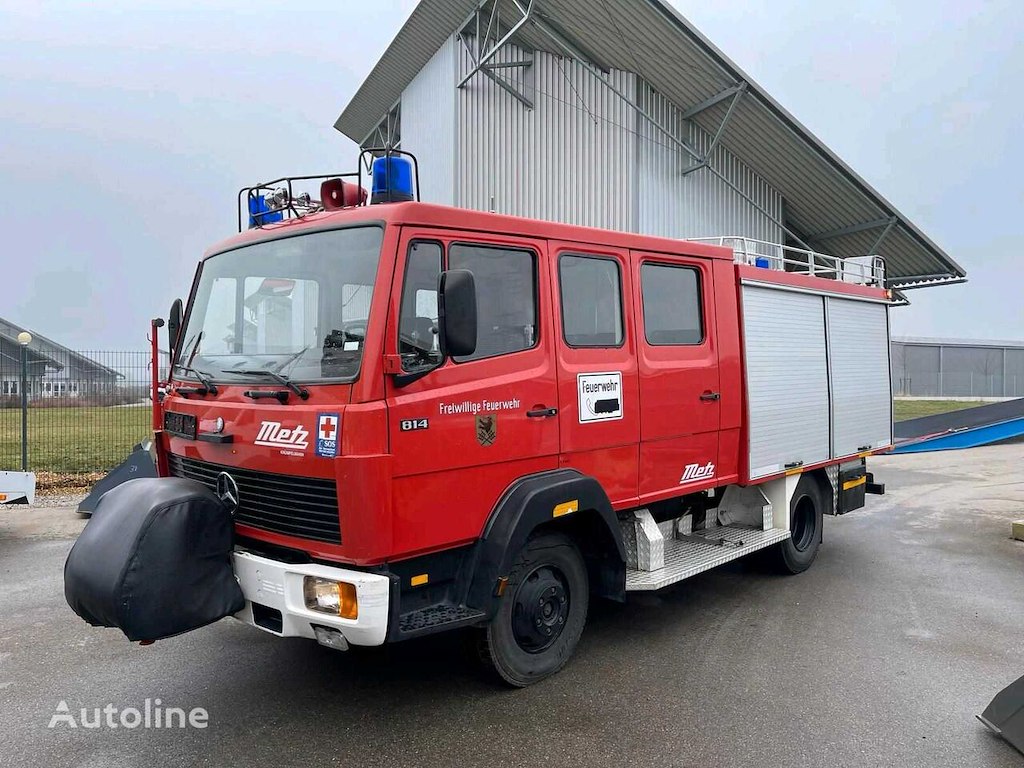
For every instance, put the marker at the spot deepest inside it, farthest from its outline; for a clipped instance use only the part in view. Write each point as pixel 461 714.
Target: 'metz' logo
pixel 697 472
pixel 273 435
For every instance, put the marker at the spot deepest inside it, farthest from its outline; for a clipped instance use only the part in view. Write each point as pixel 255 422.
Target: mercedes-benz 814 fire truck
pixel 425 418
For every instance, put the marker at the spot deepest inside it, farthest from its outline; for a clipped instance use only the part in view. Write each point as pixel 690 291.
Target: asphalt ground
pixel 881 655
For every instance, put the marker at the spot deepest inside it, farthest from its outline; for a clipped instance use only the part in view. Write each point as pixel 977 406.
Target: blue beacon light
pixel 392 180
pixel 260 213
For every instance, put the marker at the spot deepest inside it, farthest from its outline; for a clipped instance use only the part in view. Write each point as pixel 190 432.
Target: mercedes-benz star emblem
pixel 227 491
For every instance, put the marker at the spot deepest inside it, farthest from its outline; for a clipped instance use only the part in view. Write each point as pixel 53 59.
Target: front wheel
pixel 541 614
pixel 795 554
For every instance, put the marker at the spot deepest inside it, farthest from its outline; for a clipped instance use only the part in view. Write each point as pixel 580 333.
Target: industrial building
pixel 619 114
pixel 957 368
pixel 52 369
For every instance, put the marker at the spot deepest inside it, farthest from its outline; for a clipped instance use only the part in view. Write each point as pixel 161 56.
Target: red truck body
pixel 422 466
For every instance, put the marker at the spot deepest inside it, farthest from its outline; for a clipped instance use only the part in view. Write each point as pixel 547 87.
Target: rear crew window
pixel 672 305
pixel 591 294
pixel 506 297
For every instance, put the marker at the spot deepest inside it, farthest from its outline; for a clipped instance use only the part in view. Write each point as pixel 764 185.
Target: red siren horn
pixel 336 194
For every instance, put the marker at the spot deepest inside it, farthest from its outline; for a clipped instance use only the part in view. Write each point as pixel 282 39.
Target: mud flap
pixel 1005 715
pixel 154 560
pixel 138 464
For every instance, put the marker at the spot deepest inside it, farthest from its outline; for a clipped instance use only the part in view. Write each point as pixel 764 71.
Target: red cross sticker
pixel 328 427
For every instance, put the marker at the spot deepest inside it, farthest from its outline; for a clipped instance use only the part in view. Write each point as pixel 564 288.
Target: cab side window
pixel 591 291
pixel 417 323
pixel 506 297
pixel 672 305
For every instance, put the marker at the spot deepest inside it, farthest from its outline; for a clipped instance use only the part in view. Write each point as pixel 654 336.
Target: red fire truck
pixel 425 418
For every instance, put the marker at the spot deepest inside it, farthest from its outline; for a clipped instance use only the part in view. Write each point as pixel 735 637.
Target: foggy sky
pixel 127 128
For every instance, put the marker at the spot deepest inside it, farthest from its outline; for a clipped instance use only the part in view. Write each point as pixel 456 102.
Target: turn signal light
pixel 337 598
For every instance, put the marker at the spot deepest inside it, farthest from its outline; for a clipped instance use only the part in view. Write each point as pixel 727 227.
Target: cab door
pixel 468 427
pixel 680 385
pixel 598 391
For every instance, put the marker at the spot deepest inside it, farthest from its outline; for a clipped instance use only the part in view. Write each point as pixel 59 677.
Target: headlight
pixel 338 598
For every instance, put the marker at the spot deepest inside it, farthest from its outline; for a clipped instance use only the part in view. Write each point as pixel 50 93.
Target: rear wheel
pixel 541 613
pixel 795 554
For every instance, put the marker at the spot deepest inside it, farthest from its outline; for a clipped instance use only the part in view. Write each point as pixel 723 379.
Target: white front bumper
pixel 279 586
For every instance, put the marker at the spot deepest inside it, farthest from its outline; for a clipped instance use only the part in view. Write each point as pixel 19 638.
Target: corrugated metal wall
pixel 957 369
pixel 428 125
pixel 569 159
pixel 582 155
pixel 699 204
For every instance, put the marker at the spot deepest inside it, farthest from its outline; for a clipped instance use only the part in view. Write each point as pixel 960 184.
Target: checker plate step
pixel 435 615
pixel 687 557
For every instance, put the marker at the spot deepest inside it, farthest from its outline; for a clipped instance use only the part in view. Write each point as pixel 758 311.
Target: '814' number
pixel 410 425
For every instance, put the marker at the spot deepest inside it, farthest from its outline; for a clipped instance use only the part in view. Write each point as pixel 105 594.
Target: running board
pixel 701 551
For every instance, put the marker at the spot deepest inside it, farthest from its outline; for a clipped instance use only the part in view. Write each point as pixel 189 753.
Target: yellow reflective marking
pixel 566 508
pixel 797 471
pixel 854 483
pixel 419 581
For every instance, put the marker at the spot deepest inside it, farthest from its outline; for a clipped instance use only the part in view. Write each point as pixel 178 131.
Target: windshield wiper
pixel 279 377
pixel 208 388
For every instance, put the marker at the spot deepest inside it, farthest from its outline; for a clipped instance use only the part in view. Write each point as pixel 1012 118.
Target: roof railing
pixel 861 270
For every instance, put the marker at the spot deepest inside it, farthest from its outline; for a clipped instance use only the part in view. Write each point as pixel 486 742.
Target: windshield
pixel 297 307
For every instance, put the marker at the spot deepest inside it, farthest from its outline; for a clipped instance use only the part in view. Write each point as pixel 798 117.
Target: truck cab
pixel 423 418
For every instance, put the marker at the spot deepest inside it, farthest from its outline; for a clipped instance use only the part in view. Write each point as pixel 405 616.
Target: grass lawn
pixel 912 409
pixel 71 440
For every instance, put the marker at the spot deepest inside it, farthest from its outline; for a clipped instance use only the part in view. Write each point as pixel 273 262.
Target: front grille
pixel 305 507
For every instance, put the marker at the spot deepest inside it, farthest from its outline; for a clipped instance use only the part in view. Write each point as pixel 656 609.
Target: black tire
pixel 795 554
pixel 541 614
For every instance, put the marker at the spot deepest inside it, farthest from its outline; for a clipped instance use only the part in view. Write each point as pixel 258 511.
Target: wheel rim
pixel 541 609
pixel 804 523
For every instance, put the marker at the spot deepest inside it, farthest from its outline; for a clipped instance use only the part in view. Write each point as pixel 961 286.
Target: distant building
pixel 53 369
pixel 923 367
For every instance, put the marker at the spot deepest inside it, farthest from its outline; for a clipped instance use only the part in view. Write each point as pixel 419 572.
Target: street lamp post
pixel 24 339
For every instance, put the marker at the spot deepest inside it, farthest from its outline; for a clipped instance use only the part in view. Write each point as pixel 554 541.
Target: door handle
pixel 711 396
pixel 541 413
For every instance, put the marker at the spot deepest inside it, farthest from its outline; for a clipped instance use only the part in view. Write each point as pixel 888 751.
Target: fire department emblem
pixel 486 429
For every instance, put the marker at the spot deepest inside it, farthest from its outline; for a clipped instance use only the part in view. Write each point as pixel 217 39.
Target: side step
pixel 437 617
pixel 687 556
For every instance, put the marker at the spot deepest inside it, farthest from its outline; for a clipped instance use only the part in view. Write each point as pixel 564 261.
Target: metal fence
pixel 86 410
pixel 960 384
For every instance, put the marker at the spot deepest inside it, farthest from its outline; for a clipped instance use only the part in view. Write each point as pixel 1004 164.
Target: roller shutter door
pixel 786 378
pixel 858 336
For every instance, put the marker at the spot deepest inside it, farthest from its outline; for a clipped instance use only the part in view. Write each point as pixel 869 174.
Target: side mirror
pixel 457 313
pixel 174 325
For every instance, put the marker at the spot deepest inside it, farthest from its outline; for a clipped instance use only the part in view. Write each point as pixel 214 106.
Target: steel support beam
pixel 695 167
pixel 378 133
pixel 705 162
pixel 499 81
pixel 854 228
pixel 725 120
pixel 481 57
pixel 509 65
pixel 693 111
pixel 885 233
pixel 486 56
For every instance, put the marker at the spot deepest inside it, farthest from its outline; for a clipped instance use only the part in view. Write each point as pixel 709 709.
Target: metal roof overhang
pixel 826 201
